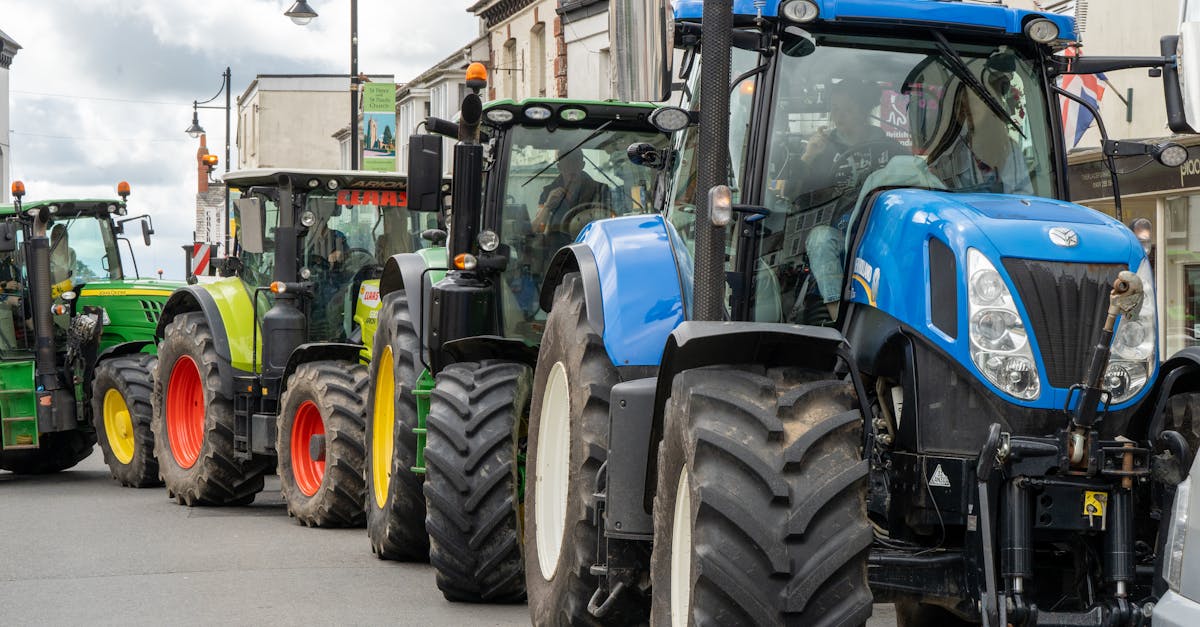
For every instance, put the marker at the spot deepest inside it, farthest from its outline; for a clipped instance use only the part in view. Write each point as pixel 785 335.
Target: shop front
pixel 1169 198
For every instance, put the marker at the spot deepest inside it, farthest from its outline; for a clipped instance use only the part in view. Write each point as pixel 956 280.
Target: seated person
pixel 977 152
pixel 10 303
pixel 835 164
pixel 570 189
pixel 62 256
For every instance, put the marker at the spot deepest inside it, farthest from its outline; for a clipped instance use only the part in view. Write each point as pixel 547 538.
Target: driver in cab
pixel 571 188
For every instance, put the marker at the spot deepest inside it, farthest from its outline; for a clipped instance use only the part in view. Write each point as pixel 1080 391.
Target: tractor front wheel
pixel 760 509
pixel 321 444
pixel 122 394
pixel 473 478
pixel 568 444
pixel 395 503
pixel 193 421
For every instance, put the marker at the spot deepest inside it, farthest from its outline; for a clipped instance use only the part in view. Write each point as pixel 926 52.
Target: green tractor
pixel 70 315
pixel 447 445
pixel 263 369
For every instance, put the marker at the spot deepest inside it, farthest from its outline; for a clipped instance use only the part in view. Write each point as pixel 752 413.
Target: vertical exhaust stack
pixel 713 156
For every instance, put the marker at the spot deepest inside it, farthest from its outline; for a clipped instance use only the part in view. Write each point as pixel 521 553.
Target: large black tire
pixel 395 522
pixel 771 466
pixel 127 379
pixel 336 493
pixel 215 477
pixel 560 590
pixel 56 451
pixel 472 480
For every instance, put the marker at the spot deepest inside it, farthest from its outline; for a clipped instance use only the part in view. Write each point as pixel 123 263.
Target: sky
pixel 101 91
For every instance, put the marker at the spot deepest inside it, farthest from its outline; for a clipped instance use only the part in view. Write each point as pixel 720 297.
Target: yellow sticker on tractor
pixel 1094 503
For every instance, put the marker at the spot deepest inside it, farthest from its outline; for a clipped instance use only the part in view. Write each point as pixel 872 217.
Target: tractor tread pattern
pixel 471 481
pixel 397 530
pixel 761 554
pixel 339 390
pixel 217 477
pixel 132 377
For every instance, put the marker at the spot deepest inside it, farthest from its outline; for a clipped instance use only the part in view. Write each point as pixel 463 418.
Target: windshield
pixel 858 114
pixel 551 192
pixel 83 248
pixel 354 233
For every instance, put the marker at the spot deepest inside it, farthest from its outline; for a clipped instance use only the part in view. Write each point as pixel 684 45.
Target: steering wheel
pixel 572 222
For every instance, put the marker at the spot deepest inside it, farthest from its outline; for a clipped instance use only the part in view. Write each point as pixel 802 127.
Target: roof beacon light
pixel 1041 30
pixel 477 72
pixel 123 189
pixel 18 188
pixel 802 11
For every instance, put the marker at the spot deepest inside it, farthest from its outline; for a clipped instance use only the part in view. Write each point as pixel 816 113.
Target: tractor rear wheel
pixel 193 421
pixel 395 503
pixel 473 479
pixel 568 443
pixel 321 446
pixel 760 510
pixel 56 451
pixel 121 408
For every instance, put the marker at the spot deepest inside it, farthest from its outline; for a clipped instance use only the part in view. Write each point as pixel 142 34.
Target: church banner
pixel 379 127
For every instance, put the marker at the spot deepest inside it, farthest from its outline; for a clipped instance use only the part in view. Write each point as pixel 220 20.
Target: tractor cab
pixel 341 228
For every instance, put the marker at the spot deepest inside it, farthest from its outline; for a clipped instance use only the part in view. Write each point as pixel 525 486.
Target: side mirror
pixel 425 173
pixel 147 231
pixel 8 237
pixel 643 34
pixel 1182 82
pixel 250 212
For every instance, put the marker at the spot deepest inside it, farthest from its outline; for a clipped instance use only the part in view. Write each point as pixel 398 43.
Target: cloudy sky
pixel 101 90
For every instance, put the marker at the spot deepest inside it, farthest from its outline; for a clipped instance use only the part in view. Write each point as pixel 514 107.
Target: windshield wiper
pixel 957 65
pixel 585 140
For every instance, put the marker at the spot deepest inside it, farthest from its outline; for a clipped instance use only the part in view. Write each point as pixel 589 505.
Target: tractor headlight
pixel 999 344
pixel 1133 346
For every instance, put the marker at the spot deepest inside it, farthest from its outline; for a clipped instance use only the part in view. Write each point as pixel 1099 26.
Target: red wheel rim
pixel 185 412
pixel 305 425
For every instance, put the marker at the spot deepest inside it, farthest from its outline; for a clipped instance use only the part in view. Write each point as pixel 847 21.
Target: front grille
pixel 1066 304
pixel 152 310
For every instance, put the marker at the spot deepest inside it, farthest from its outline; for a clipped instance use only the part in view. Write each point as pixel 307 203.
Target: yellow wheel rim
pixel 118 426
pixel 383 427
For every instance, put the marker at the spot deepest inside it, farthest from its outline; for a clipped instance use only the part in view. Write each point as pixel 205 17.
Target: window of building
pixel 537 60
pixel 508 67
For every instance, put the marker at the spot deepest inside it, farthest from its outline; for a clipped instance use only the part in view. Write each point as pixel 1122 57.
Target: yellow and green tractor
pixel 76 337
pixel 265 369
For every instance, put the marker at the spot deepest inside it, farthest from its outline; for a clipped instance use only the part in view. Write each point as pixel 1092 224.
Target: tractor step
pixel 19 432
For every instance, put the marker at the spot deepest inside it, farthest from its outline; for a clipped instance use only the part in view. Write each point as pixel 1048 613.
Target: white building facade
pixel 293 121
pixel 528 54
pixel 8 50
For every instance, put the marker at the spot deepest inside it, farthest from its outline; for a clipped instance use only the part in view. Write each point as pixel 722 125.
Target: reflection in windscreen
pixel 552 192
pixel 83 249
pixel 860 114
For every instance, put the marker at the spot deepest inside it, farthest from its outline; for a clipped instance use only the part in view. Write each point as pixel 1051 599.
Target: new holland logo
pixel 1062 236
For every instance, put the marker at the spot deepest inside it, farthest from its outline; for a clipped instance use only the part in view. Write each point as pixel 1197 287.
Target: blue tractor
pixel 868 353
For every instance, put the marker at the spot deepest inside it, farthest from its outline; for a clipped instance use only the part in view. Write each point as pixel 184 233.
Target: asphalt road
pixel 75 548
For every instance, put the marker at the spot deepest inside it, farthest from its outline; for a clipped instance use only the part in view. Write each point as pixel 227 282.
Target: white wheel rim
pixel 681 553
pixel 552 471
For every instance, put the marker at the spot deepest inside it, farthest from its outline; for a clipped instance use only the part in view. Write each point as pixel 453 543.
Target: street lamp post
pixel 195 130
pixel 302 14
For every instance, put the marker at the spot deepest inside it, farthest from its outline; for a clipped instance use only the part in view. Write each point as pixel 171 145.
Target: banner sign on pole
pixel 379 127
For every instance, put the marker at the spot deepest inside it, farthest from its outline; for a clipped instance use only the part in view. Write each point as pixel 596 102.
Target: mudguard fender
pixel 629 265
pixel 1179 374
pixel 123 349
pixel 406 270
pixel 491 347
pixel 319 351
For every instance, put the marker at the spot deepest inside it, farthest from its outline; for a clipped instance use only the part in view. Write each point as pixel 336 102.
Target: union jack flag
pixel 1090 87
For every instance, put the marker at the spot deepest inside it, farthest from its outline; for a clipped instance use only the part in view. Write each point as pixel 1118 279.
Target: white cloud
pixel 129 70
